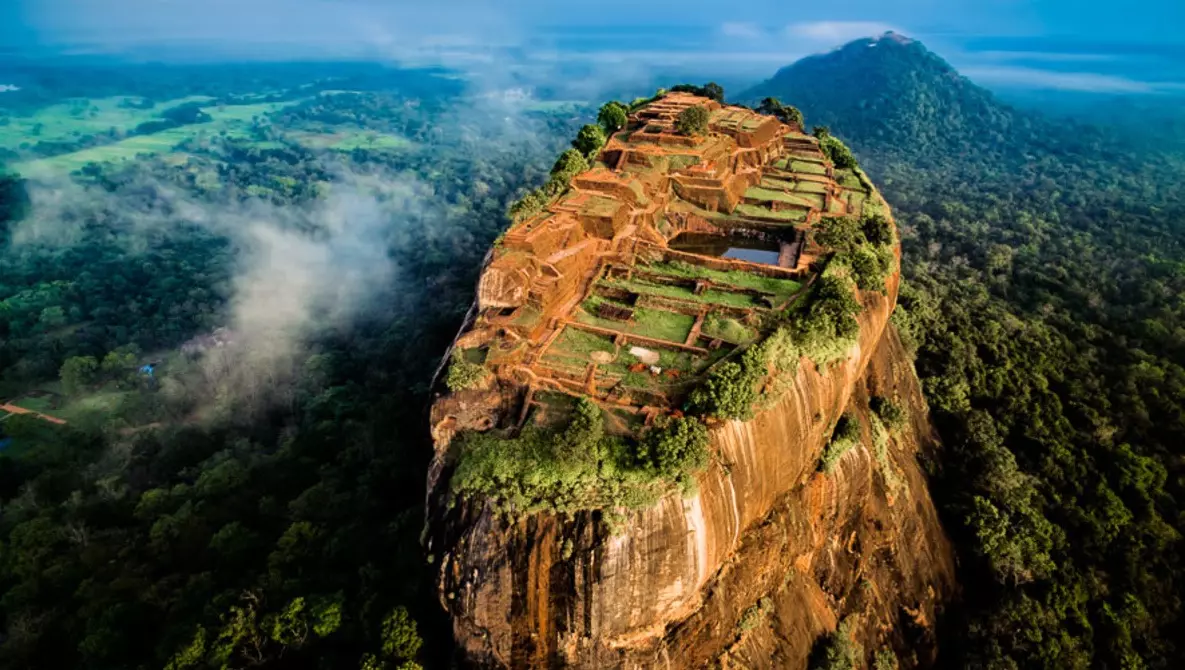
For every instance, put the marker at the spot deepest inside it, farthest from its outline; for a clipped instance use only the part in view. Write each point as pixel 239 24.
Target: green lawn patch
pixel 808 156
pixel 728 329
pixel 710 297
pixel 810 187
pixel 662 325
pixel 43 404
pixel 765 213
pixel 104 402
pixel 655 323
pixel 807 167
pixel 848 179
pixel 782 288
pixel 771 195
pixel 778 183
pixel 580 343
pixel 349 139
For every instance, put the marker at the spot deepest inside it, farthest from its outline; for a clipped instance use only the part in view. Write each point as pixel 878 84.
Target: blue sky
pixel 1076 45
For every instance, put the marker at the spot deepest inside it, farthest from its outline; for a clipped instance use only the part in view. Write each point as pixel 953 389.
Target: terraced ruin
pixel 654 424
pixel 665 258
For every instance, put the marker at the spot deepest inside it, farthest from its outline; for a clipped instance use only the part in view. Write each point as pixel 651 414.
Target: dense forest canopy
pixel 239 333
pixel 1045 298
pixel 238 318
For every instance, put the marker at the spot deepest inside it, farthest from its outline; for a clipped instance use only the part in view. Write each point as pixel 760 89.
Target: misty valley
pixel 231 295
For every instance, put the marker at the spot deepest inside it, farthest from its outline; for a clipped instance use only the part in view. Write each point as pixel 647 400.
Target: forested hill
pixel 892 93
pixel 1045 298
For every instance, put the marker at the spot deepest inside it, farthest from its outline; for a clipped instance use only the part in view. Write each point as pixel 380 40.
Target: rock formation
pixel 671 256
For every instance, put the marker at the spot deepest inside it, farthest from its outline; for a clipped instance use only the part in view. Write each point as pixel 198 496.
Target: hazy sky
pixel 1060 43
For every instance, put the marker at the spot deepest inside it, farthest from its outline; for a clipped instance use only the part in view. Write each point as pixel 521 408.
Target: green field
pixel 101 403
pixel 232 120
pixel 349 139
pixel 43 404
pixel 69 121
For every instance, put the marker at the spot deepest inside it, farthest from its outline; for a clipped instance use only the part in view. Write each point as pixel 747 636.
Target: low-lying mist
pixel 381 242
pixel 299 271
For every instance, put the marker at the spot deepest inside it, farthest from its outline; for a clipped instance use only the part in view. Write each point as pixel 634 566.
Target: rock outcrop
pixel 768 554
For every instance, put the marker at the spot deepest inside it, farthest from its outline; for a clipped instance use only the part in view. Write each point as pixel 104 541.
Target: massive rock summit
pixel 681 430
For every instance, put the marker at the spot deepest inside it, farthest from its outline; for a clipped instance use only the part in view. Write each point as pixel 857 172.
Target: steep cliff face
pixel 861 543
pixel 698 273
pixel 682 584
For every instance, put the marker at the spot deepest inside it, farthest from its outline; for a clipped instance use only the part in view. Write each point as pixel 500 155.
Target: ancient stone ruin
pixel 675 261
pixel 663 232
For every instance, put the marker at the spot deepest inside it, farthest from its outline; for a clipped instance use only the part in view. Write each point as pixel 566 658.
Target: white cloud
pixel 1044 56
pixel 837 32
pixel 740 30
pixel 4 88
pixel 1064 81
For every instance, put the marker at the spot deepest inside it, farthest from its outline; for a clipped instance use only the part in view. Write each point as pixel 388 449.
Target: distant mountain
pixel 892 91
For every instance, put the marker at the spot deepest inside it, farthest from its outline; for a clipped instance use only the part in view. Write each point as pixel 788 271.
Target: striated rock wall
pixel 672 585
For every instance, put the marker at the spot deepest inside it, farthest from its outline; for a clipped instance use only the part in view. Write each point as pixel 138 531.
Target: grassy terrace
pixel 807 167
pixel 655 323
pixel 780 288
pixel 662 325
pixel 794 182
pixel 711 297
pixel 772 195
pixel 728 329
pixel 789 215
pixel 810 187
pixel 581 343
pixel 848 179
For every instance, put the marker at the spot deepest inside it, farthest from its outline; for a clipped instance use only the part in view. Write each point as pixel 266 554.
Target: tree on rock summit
pixel 692 121
pixel 612 116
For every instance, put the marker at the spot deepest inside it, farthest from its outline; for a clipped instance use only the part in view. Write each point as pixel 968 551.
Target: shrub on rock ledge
pixel 692 121
pixel 462 374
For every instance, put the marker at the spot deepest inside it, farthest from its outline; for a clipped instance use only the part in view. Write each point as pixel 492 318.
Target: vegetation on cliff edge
pixel 578 467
